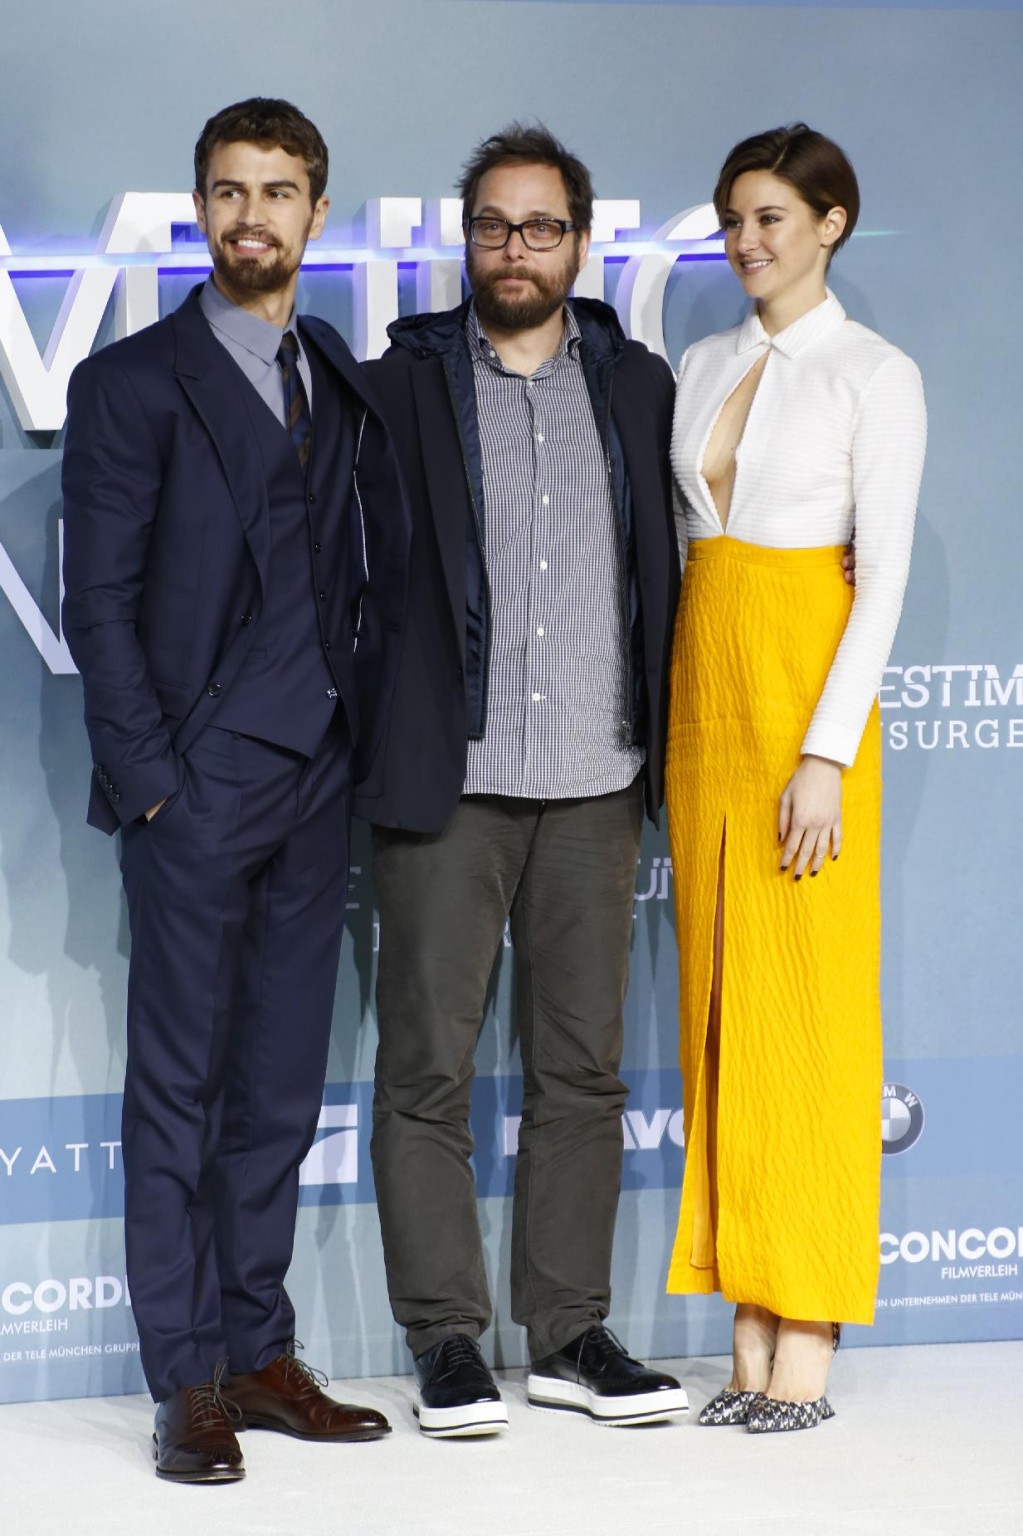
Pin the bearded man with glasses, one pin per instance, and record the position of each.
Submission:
(525, 738)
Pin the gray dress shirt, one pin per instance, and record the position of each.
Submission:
(253, 342)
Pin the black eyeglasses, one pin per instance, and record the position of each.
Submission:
(492, 234)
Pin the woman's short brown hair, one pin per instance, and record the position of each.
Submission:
(812, 164)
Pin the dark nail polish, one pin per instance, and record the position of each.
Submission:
(797, 878)
(814, 873)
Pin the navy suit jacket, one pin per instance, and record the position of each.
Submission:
(167, 543)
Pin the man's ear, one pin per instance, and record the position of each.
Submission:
(319, 217)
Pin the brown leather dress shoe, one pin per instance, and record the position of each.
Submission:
(194, 1441)
(286, 1395)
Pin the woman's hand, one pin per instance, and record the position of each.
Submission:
(810, 815)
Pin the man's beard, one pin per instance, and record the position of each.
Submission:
(248, 276)
(528, 309)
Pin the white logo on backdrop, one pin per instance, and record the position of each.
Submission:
(971, 1244)
(73, 1157)
(80, 1293)
(146, 232)
(334, 1159)
(641, 1132)
(902, 1118)
(948, 706)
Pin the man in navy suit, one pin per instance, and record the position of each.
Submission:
(235, 565)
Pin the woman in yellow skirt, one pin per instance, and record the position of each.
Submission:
(790, 431)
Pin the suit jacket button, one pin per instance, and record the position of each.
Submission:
(214, 690)
(246, 618)
(331, 693)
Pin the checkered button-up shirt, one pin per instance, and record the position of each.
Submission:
(557, 723)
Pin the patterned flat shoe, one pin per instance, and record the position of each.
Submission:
(768, 1416)
(729, 1407)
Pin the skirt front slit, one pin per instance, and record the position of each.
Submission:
(780, 1197)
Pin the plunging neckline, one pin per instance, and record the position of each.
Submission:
(723, 522)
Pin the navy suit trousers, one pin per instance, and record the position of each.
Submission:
(236, 898)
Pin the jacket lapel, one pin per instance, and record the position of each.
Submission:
(336, 352)
(445, 480)
(209, 379)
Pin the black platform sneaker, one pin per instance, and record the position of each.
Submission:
(595, 1375)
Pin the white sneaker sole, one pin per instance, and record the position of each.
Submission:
(546, 1392)
(470, 1419)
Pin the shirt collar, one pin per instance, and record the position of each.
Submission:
(795, 338)
(482, 351)
(258, 336)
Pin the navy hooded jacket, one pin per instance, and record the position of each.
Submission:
(426, 391)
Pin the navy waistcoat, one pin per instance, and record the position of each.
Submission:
(302, 656)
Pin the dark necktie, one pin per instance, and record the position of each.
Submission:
(296, 406)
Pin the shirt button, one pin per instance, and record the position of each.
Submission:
(539, 437)
(543, 565)
(547, 501)
(536, 698)
(540, 630)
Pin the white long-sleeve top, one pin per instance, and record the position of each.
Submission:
(834, 439)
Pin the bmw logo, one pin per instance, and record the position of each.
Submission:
(902, 1118)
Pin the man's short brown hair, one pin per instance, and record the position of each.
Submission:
(519, 144)
(271, 123)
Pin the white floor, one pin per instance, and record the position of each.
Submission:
(926, 1442)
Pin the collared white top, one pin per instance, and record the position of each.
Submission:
(834, 441)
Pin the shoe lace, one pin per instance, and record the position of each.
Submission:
(601, 1344)
(207, 1405)
(456, 1351)
(296, 1367)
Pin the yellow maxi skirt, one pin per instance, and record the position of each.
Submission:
(780, 1200)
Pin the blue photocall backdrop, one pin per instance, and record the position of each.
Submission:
(108, 101)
